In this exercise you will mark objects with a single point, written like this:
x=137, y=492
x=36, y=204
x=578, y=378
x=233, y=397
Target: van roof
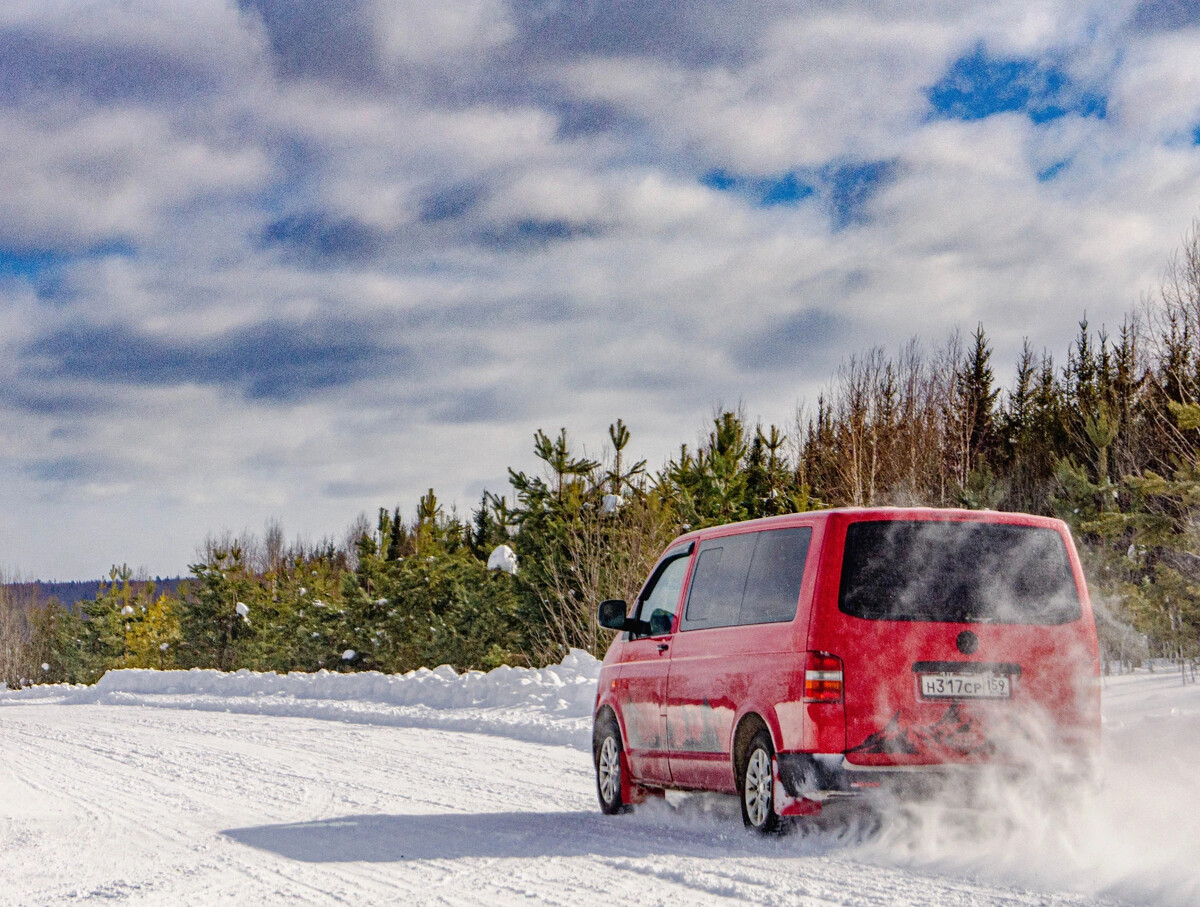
x=851, y=514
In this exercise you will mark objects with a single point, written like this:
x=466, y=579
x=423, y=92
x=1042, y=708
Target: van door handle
x=662, y=646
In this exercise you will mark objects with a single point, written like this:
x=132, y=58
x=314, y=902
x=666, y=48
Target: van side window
x=661, y=598
x=719, y=581
x=776, y=572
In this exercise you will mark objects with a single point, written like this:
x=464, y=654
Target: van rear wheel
x=758, y=785
x=606, y=753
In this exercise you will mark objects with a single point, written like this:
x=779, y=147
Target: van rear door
x=957, y=632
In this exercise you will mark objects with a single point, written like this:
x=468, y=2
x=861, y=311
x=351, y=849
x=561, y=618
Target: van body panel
x=824, y=727
x=920, y=692
x=716, y=676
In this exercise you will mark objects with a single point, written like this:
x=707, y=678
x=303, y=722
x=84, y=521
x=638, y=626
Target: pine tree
x=565, y=468
x=153, y=636
x=979, y=395
x=724, y=485
x=396, y=536
x=618, y=478
x=768, y=477
x=210, y=625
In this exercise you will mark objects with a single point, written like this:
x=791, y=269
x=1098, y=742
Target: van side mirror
x=612, y=613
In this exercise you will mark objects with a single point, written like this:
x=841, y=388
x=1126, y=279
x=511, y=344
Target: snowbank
x=541, y=705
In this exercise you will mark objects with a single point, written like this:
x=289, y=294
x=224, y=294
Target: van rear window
x=957, y=571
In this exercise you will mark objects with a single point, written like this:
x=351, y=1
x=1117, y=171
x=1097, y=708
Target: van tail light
x=822, y=677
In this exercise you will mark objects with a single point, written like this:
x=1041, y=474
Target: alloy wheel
x=757, y=790
x=608, y=770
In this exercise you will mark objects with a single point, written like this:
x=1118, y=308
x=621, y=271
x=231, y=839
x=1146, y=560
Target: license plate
x=965, y=686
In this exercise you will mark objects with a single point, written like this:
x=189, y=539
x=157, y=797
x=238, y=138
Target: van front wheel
x=606, y=750
x=758, y=785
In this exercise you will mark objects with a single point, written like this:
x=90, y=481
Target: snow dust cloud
x=1130, y=832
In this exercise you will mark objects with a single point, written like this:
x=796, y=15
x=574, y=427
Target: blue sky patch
x=44, y=267
x=721, y=180
x=843, y=188
x=28, y=265
x=1196, y=135
x=1048, y=173
x=789, y=188
x=978, y=85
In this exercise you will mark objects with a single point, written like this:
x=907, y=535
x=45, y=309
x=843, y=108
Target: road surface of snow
x=435, y=788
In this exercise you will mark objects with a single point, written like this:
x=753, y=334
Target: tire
x=757, y=785
x=606, y=754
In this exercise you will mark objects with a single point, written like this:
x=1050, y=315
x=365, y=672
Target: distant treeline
x=69, y=594
x=1107, y=438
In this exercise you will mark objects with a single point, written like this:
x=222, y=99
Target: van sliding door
x=735, y=646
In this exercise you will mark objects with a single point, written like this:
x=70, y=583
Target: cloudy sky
x=300, y=259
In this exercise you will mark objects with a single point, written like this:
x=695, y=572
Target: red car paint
x=684, y=698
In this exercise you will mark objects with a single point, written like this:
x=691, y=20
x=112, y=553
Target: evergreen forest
x=1105, y=435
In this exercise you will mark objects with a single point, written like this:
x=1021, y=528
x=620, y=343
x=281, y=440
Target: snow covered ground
x=435, y=788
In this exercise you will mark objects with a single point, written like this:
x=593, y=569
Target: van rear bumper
x=824, y=776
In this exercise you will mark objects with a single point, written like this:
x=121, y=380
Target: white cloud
x=517, y=238
x=425, y=33
x=77, y=178
x=1156, y=94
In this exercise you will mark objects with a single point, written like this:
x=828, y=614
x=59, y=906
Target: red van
x=806, y=657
